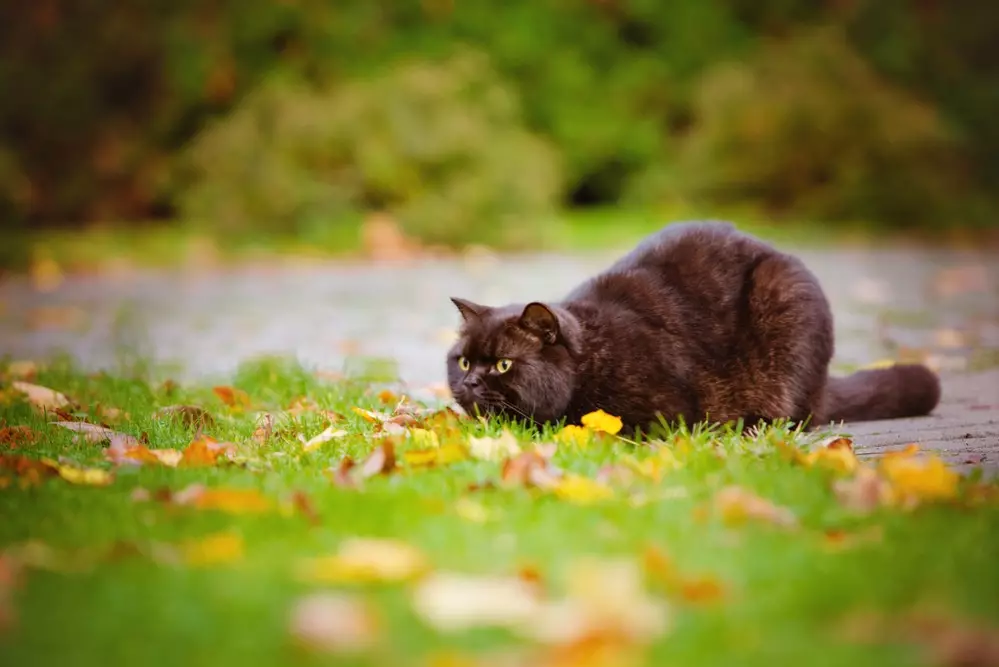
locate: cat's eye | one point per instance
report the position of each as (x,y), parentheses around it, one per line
(503,365)
(464,364)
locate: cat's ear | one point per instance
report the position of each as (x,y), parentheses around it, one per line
(539,319)
(468,310)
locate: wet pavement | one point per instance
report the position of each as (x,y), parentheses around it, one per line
(938,305)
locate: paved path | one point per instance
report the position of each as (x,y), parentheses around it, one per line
(937,304)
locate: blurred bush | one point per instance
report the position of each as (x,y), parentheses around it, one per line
(808,127)
(440,146)
(874,109)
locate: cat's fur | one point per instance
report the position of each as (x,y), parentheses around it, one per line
(700,321)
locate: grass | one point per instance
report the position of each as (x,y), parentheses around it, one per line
(100,597)
(167,245)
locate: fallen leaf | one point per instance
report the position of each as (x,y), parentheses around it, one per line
(601,421)
(96,434)
(916,479)
(604,598)
(341,475)
(204,451)
(303,504)
(189,415)
(836,455)
(423,437)
(493,449)
(736,505)
(656,466)
(334,623)
(14,436)
(372,416)
(388,397)
(315,442)
(865,492)
(83,476)
(265,428)
(233,501)
(470,510)
(581,490)
(451,602)
(381,461)
(22,369)
(236,399)
(530,468)
(140,454)
(43,398)
(367,560)
(216,549)
(572,434)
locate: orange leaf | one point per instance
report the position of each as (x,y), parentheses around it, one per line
(204,451)
(234,398)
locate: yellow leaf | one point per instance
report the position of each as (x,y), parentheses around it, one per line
(219,548)
(420,457)
(233,501)
(880,363)
(655,466)
(494,449)
(366,560)
(203,451)
(574,435)
(837,455)
(581,490)
(85,476)
(470,510)
(917,479)
(313,443)
(601,421)
(424,438)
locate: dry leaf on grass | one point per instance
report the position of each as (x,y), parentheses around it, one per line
(452,602)
(494,449)
(40,397)
(530,468)
(317,441)
(736,505)
(865,492)
(234,398)
(581,490)
(189,415)
(14,436)
(216,549)
(334,623)
(366,560)
(835,454)
(452,452)
(223,499)
(919,478)
(30,472)
(96,434)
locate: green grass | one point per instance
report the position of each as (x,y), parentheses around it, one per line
(165,244)
(787,594)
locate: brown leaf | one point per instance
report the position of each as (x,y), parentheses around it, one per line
(265,428)
(97,434)
(188,415)
(381,461)
(334,623)
(40,397)
(303,504)
(341,476)
(13,436)
(530,468)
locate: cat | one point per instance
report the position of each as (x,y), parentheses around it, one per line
(700,322)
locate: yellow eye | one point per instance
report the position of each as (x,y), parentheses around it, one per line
(463,363)
(503,365)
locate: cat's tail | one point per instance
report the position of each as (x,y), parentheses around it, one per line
(905,390)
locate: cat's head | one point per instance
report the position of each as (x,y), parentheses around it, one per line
(517,360)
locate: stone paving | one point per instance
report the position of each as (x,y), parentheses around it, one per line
(939,305)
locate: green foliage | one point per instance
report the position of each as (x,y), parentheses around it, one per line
(624,92)
(439,145)
(809,127)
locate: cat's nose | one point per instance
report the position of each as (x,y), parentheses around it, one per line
(473,380)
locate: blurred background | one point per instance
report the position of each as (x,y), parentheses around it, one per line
(515,125)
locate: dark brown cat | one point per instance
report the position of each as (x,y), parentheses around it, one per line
(700,321)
